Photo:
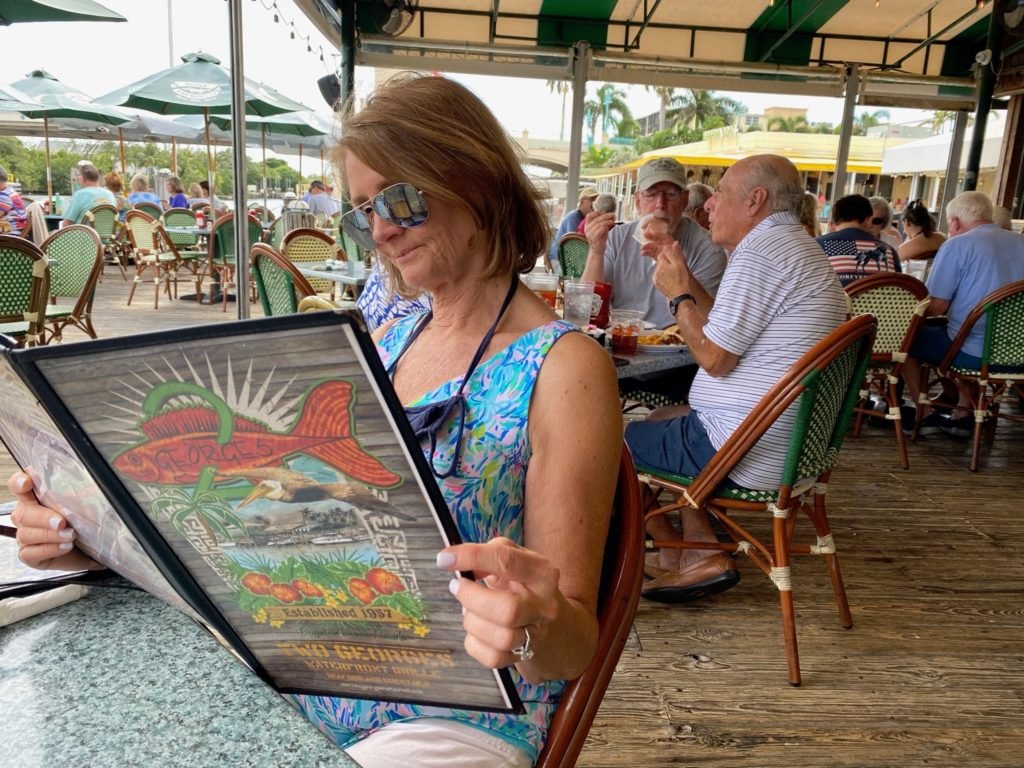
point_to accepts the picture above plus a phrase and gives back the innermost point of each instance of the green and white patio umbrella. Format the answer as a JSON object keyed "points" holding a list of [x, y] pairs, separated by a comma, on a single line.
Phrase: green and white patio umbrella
{"points": [[59, 100], [24, 11], [290, 124], [15, 101], [198, 86]]}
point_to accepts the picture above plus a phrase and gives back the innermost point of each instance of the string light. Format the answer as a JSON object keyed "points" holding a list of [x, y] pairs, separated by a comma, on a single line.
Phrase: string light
{"points": [[279, 18]]}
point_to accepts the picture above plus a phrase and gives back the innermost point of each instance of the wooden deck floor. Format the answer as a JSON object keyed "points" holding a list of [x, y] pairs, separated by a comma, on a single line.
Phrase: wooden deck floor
{"points": [[932, 674]]}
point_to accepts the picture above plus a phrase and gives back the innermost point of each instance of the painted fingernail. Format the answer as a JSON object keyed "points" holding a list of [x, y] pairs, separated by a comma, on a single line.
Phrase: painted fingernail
{"points": [[54, 522], [453, 586], [445, 559], [65, 546], [67, 533]]}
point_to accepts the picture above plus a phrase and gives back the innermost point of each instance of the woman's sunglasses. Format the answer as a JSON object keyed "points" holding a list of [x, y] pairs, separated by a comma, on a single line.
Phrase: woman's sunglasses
{"points": [[400, 204]]}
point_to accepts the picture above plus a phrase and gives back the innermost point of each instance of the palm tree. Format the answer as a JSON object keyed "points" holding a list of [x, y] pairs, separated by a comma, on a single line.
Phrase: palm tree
{"points": [[698, 106], [666, 95], [866, 120], [609, 106], [563, 87], [939, 120], [794, 124]]}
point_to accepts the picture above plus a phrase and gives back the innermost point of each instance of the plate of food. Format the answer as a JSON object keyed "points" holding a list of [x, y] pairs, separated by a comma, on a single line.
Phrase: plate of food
{"points": [[666, 342]]}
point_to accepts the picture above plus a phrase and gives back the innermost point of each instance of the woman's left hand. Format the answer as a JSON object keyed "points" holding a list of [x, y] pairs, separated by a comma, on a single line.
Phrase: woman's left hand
{"points": [[519, 593]]}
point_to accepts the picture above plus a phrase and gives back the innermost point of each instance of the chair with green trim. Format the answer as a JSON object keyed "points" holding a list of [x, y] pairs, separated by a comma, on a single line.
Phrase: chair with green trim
{"points": [[77, 254], [279, 284], [572, 254], [898, 302], [275, 235], [311, 246], [189, 244], [150, 255], [1002, 364], [24, 288], [819, 390], [152, 210], [222, 252], [105, 219]]}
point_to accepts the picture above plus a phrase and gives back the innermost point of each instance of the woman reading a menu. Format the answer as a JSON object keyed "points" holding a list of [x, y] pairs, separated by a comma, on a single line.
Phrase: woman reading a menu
{"points": [[492, 382]]}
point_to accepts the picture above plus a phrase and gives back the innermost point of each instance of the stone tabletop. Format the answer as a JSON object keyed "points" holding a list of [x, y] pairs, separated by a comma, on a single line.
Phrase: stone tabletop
{"points": [[118, 679]]}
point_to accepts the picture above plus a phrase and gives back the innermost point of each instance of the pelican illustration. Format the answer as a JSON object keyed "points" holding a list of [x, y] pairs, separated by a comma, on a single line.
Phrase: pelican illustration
{"points": [[290, 487]]}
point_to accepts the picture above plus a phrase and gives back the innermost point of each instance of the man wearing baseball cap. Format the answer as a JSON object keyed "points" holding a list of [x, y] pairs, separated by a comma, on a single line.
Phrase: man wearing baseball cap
{"points": [[320, 202], [572, 220], [616, 255]]}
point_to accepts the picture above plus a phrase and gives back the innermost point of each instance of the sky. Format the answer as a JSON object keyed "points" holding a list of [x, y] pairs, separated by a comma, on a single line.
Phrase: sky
{"points": [[82, 55]]}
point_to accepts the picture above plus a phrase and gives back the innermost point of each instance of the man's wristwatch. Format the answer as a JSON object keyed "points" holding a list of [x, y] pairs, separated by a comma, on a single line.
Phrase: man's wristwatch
{"points": [[673, 304]]}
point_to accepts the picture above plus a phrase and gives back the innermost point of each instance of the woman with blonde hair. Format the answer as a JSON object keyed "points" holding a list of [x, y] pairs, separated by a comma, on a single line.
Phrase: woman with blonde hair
{"points": [[140, 191], [489, 378], [809, 214]]}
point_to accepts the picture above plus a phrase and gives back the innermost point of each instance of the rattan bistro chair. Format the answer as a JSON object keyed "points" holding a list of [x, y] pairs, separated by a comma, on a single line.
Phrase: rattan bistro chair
{"points": [[823, 386], [1002, 363], [898, 302], [24, 288], [222, 252], [621, 577], [572, 254], [77, 252], [279, 284], [152, 210], [105, 219], [311, 246]]}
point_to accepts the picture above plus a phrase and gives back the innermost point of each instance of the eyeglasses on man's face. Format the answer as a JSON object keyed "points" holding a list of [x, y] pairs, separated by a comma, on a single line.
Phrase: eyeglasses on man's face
{"points": [[671, 194]]}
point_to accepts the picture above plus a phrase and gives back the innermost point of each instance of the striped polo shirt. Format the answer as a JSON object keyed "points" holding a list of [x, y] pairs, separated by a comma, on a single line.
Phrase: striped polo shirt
{"points": [[779, 296]]}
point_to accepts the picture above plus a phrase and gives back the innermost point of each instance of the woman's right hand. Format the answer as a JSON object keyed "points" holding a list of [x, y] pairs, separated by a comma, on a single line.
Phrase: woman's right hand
{"points": [[45, 540]]}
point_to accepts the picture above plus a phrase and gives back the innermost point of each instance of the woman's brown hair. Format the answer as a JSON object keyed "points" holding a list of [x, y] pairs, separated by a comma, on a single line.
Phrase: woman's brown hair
{"points": [[436, 135], [112, 181]]}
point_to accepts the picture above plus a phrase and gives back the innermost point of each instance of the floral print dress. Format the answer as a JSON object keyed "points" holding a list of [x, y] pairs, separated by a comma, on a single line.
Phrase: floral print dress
{"points": [[486, 497]]}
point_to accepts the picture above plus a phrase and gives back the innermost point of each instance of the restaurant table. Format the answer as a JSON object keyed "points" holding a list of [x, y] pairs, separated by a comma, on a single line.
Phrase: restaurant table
{"points": [[336, 274], [119, 679], [643, 363]]}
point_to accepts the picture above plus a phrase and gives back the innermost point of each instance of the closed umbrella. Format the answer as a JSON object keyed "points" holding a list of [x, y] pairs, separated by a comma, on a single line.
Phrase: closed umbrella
{"points": [[59, 100], [20, 11]]}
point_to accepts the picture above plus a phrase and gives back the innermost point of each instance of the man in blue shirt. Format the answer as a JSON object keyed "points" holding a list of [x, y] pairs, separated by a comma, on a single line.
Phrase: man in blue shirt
{"points": [[571, 222], [89, 195], [979, 257]]}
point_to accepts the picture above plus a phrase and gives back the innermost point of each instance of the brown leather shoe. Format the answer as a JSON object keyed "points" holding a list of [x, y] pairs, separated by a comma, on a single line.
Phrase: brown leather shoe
{"points": [[707, 577]]}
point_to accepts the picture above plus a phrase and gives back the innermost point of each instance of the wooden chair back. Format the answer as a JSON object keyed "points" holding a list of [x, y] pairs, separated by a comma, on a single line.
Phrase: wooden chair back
{"points": [[898, 302], [279, 284], [180, 217], [78, 254], [620, 592], [311, 246], [104, 218], [572, 254], [152, 210], [24, 289], [141, 228]]}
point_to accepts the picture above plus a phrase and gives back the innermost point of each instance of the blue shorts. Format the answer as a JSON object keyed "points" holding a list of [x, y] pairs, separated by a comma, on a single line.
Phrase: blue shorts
{"points": [[931, 345], [678, 446]]}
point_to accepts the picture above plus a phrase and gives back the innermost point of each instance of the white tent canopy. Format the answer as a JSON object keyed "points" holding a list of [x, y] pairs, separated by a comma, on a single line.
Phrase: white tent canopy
{"points": [[930, 155]]}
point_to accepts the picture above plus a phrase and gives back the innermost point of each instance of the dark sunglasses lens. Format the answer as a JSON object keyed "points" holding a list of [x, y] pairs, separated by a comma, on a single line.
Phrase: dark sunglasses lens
{"points": [[877, 221], [401, 204], [357, 226]]}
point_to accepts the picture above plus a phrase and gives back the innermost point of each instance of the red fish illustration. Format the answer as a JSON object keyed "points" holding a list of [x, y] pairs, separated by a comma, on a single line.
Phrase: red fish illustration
{"points": [[180, 443]]}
